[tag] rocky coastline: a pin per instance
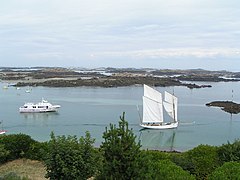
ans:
(64, 77)
(227, 106)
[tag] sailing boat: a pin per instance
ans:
(1, 130)
(153, 109)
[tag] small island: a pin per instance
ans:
(112, 77)
(227, 106)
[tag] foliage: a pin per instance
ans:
(200, 161)
(229, 152)
(154, 155)
(17, 144)
(120, 157)
(167, 170)
(121, 153)
(37, 151)
(3, 154)
(229, 170)
(183, 161)
(90, 156)
(69, 158)
(12, 176)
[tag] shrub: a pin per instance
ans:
(69, 158)
(200, 161)
(229, 152)
(3, 154)
(154, 155)
(229, 170)
(18, 145)
(167, 170)
(37, 151)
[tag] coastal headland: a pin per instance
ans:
(112, 77)
(227, 106)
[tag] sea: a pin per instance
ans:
(93, 109)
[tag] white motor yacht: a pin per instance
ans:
(43, 106)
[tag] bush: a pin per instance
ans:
(37, 151)
(154, 155)
(167, 170)
(69, 158)
(229, 170)
(18, 145)
(200, 161)
(3, 154)
(229, 152)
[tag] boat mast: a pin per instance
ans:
(174, 117)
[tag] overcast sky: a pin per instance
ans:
(175, 34)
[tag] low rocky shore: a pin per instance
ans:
(64, 77)
(227, 106)
(109, 82)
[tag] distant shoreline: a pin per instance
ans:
(111, 77)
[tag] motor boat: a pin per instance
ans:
(43, 106)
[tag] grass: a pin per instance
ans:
(30, 169)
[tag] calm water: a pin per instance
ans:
(92, 109)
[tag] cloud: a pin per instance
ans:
(176, 53)
(129, 29)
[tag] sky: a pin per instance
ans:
(173, 34)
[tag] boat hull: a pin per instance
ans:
(2, 131)
(158, 126)
(24, 110)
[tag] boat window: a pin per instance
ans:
(40, 106)
(34, 106)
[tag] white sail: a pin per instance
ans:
(152, 94)
(152, 106)
(170, 105)
(152, 111)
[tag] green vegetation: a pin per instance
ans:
(229, 170)
(121, 153)
(167, 170)
(229, 152)
(119, 157)
(69, 158)
(22, 168)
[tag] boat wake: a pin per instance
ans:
(88, 124)
(187, 123)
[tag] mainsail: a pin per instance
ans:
(152, 106)
(170, 105)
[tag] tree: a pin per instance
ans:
(90, 156)
(229, 152)
(18, 145)
(69, 158)
(229, 170)
(200, 161)
(167, 170)
(3, 154)
(121, 153)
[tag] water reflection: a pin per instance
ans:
(157, 139)
(40, 116)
